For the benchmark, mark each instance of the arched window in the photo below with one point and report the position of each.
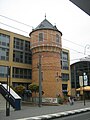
(41, 36)
(57, 38)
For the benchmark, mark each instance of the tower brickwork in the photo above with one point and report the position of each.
(46, 41)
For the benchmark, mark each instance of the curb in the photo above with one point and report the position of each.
(56, 115)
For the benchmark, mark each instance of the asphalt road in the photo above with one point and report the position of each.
(81, 116)
(27, 111)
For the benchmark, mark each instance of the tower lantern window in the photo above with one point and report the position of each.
(57, 38)
(41, 36)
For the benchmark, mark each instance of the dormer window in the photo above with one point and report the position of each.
(57, 38)
(41, 36)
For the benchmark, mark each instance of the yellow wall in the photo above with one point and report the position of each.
(10, 62)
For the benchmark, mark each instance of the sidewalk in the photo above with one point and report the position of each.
(29, 111)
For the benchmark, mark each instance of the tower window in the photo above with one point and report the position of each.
(41, 36)
(57, 38)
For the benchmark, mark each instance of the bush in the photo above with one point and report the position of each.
(19, 89)
(60, 100)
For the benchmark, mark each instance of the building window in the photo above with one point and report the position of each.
(22, 57)
(18, 43)
(27, 46)
(64, 89)
(28, 58)
(65, 56)
(4, 40)
(3, 71)
(22, 53)
(4, 54)
(64, 63)
(18, 56)
(65, 77)
(57, 38)
(41, 36)
(64, 86)
(22, 73)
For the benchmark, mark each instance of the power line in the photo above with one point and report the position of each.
(64, 46)
(32, 27)
(13, 27)
(74, 50)
(16, 21)
(74, 59)
(73, 42)
(64, 39)
(36, 35)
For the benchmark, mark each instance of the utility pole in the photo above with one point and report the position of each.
(40, 82)
(84, 84)
(75, 80)
(83, 92)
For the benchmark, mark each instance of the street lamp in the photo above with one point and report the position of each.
(87, 46)
(8, 89)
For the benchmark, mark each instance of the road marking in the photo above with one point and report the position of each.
(55, 114)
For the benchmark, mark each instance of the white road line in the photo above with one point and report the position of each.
(55, 115)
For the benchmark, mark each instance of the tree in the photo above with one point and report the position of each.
(20, 89)
(34, 88)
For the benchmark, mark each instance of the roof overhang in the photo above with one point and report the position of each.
(45, 29)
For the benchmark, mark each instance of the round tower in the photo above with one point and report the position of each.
(45, 41)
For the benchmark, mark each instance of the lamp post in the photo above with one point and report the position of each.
(8, 89)
(40, 82)
(83, 91)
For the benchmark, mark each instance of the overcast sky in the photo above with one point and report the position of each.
(69, 19)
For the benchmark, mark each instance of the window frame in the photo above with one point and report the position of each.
(57, 38)
(41, 37)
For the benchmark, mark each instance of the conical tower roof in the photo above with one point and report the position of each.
(45, 24)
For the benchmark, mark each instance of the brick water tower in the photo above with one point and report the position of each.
(45, 41)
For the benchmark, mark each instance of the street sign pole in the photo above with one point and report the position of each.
(40, 82)
(81, 82)
(85, 83)
(83, 92)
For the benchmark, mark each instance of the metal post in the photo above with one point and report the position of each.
(40, 84)
(8, 88)
(83, 92)
(75, 81)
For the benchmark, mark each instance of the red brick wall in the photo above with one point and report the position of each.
(50, 62)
